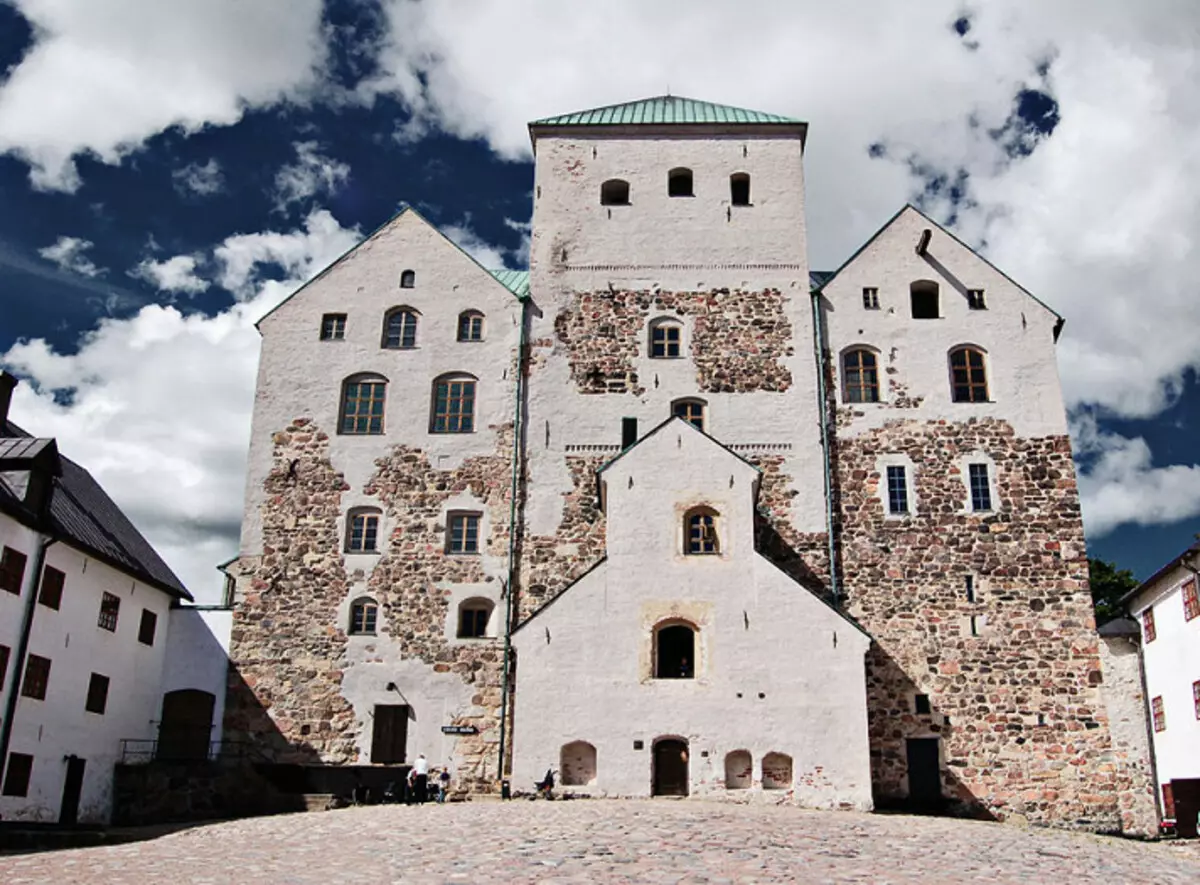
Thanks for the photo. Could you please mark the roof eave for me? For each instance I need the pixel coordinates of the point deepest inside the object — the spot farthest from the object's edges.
(614, 130)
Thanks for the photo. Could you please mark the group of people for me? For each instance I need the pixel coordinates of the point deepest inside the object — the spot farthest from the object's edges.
(418, 781)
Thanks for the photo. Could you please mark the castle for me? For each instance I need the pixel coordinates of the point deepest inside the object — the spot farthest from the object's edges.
(670, 512)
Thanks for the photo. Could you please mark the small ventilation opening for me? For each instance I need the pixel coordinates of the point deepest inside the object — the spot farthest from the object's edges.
(679, 183)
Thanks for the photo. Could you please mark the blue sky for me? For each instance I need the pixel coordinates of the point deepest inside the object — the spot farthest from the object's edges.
(168, 171)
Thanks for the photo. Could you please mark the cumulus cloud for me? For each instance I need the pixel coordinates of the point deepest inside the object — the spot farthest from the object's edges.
(490, 256)
(67, 253)
(201, 181)
(313, 174)
(162, 401)
(177, 275)
(100, 78)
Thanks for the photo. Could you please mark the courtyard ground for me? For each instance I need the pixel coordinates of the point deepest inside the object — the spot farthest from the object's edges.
(607, 841)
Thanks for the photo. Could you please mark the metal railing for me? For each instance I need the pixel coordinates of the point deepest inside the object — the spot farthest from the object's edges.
(142, 751)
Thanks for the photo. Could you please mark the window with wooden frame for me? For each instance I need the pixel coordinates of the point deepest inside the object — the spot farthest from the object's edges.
(1168, 795)
(968, 375)
(17, 774)
(110, 610)
(364, 613)
(473, 618)
(897, 490)
(1191, 603)
(981, 487)
(1160, 716)
(1195, 696)
(462, 533)
(51, 592)
(860, 376)
(679, 183)
(453, 405)
(690, 410)
(363, 400)
(700, 525)
(12, 570)
(362, 531)
(147, 627)
(1148, 632)
(470, 326)
(870, 298)
(399, 329)
(333, 327)
(666, 339)
(37, 677)
(97, 694)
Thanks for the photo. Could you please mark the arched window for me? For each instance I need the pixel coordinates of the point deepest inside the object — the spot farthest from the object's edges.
(363, 398)
(860, 376)
(666, 339)
(700, 526)
(614, 192)
(923, 295)
(470, 326)
(739, 770)
(577, 762)
(474, 619)
(362, 530)
(400, 328)
(690, 410)
(364, 612)
(675, 650)
(777, 771)
(739, 189)
(408, 279)
(679, 182)
(453, 404)
(968, 375)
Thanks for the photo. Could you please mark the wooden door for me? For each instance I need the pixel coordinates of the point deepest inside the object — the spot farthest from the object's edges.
(72, 790)
(389, 738)
(670, 776)
(185, 730)
(1187, 806)
(924, 772)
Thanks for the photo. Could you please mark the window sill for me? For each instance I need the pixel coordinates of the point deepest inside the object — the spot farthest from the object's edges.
(465, 554)
(451, 432)
(411, 347)
(363, 635)
(363, 552)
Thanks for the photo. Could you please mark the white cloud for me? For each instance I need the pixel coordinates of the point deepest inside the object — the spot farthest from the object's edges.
(162, 401)
(313, 174)
(491, 257)
(176, 275)
(100, 78)
(67, 253)
(201, 181)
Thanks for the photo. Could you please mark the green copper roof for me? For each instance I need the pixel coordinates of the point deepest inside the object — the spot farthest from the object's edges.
(663, 109)
(515, 281)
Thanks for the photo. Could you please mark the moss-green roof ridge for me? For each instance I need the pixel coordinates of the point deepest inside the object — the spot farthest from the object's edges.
(665, 110)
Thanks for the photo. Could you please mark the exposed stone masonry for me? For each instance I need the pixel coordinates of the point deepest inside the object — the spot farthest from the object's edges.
(739, 338)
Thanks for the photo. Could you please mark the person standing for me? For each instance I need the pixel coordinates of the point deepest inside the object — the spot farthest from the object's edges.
(421, 778)
(443, 785)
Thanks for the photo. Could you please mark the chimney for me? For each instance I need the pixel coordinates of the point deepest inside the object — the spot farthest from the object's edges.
(7, 383)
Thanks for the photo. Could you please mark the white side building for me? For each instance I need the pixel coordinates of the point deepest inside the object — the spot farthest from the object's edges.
(1167, 606)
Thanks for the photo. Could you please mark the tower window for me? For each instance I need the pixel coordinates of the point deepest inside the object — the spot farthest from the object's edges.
(968, 375)
(474, 615)
(110, 610)
(870, 298)
(679, 183)
(453, 405)
(690, 410)
(981, 490)
(408, 279)
(666, 339)
(362, 535)
(614, 192)
(921, 704)
(37, 677)
(97, 694)
(701, 526)
(333, 327)
(364, 614)
(975, 299)
(362, 405)
(924, 297)
(739, 189)
(675, 651)
(400, 328)
(462, 533)
(897, 490)
(470, 326)
(860, 374)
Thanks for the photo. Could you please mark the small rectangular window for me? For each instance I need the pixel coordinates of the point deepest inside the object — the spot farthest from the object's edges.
(1191, 603)
(1168, 795)
(37, 678)
(473, 622)
(970, 582)
(5, 651)
(110, 610)
(463, 535)
(665, 341)
(981, 490)
(147, 627)
(52, 588)
(12, 570)
(97, 696)
(1160, 717)
(897, 490)
(333, 327)
(17, 774)
(975, 299)
(870, 298)
(921, 704)
(1148, 631)
(1195, 696)
(364, 533)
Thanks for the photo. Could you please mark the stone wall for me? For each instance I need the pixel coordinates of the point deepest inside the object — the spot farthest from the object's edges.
(738, 339)
(1013, 677)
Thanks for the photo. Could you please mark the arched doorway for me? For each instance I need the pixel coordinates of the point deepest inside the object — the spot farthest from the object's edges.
(670, 775)
(675, 651)
(186, 726)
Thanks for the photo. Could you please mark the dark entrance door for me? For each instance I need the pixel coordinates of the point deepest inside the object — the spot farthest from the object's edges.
(72, 790)
(1187, 806)
(186, 726)
(670, 768)
(389, 738)
(924, 776)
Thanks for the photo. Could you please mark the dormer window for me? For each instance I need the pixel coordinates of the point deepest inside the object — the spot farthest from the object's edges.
(614, 192)
(679, 183)
(700, 524)
(666, 339)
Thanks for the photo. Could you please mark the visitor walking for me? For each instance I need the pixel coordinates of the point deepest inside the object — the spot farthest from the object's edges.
(443, 785)
(421, 778)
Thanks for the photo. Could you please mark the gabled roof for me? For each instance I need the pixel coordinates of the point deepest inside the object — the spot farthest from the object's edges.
(666, 110)
(84, 516)
(1191, 553)
(830, 277)
(691, 427)
(508, 284)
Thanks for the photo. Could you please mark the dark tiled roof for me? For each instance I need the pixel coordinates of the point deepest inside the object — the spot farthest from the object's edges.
(85, 516)
(1120, 627)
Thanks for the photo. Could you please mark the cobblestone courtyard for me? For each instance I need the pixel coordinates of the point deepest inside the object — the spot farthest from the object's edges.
(607, 841)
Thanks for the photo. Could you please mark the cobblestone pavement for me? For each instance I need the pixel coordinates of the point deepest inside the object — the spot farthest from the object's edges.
(607, 841)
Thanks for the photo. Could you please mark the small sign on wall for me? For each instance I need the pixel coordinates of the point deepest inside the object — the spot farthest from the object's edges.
(459, 729)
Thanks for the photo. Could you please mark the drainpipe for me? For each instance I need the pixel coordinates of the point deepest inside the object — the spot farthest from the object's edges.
(819, 347)
(510, 590)
(34, 585)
